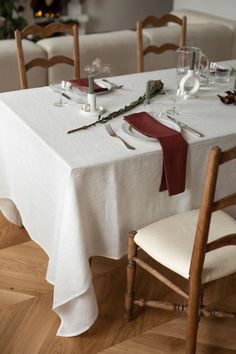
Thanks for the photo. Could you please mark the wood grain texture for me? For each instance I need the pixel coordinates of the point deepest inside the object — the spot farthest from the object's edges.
(151, 342)
(11, 234)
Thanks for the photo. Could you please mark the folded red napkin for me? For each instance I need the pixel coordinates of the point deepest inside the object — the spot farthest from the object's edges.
(174, 150)
(82, 85)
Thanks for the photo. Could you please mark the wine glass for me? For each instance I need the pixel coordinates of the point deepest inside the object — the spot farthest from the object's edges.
(175, 97)
(60, 87)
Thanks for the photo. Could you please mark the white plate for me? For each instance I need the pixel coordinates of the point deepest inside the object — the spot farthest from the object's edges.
(133, 132)
(104, 85)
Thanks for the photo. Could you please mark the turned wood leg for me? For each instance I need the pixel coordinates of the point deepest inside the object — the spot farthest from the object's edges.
(193, 318)
(131, 270)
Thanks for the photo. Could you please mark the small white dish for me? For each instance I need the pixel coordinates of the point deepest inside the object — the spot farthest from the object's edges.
(136, 134)
(99, 110)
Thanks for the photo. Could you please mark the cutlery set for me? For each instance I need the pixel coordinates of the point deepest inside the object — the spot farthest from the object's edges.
(112, 133)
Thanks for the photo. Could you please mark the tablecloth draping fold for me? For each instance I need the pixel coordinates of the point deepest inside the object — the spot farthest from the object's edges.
(82, 85)
(174, 150)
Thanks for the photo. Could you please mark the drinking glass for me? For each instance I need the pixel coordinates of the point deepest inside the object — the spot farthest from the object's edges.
(153, 106)
(159, 106)
(222, 74)
(76, 95)
(60, 87)
(184, 61)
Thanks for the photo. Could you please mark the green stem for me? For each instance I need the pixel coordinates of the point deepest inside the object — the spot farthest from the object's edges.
(156, 87)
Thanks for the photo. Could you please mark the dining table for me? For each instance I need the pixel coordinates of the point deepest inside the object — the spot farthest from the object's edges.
(78, 195)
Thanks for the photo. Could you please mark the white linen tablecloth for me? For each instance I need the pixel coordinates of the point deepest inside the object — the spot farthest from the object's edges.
(78, 195)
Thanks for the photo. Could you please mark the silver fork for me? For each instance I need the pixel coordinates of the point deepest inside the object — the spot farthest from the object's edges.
(113, 84)
(112, 133)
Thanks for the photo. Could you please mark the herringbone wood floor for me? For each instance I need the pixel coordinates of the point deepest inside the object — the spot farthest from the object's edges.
(28, 325)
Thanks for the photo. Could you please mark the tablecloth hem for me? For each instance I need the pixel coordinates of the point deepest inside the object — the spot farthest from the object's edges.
(10, 210)
(77, 333)
(82, 290)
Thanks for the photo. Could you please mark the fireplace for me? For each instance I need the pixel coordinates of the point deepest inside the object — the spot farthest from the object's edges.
(47, 8)
(44, 12)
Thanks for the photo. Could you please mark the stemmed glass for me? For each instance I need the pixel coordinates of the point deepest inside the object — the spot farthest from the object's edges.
(175, 99)
(60, 87)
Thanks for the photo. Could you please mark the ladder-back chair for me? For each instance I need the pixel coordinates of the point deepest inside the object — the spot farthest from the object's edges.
(44, 32)
(199, 245)
(158, 22)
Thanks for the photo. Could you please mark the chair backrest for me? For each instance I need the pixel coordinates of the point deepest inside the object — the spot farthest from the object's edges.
(208, 206)
(44, 32)
(158, 22)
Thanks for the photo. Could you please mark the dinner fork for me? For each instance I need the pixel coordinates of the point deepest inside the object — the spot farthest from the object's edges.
(112, 133)
(113, 84)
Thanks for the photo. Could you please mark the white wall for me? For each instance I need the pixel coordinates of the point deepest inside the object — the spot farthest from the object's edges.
(111, 15)
(223, 8)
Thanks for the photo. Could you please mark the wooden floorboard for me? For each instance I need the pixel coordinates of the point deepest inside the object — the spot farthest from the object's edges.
(28, 325)
(217, 332)
(9, 297)
(151, 342)
(10, 234)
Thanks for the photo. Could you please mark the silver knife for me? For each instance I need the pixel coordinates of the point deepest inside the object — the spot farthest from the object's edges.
(185, 126)
(66, 96)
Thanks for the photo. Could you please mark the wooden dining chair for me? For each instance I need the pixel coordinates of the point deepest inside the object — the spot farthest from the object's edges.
(158, 22)
(44, 32)
(199, 245)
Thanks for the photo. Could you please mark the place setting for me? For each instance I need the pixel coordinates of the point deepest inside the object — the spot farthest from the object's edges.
(83, 91)
(163, 109)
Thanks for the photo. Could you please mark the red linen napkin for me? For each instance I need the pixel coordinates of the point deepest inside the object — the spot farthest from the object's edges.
(82, 85)
(174, 150)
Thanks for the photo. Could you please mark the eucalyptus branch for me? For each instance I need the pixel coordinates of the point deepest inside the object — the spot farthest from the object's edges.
(156, 87)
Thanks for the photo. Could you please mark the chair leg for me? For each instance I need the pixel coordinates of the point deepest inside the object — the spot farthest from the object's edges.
(131, 271)
(192, 320)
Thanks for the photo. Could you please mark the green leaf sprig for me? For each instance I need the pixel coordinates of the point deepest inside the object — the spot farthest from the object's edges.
(156, 87)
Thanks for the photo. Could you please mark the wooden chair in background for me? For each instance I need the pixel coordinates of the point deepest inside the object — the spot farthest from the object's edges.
(158, 22)
(44, 32)
(193, 245)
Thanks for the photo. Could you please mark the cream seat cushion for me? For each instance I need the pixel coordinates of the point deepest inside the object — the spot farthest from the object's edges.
(170, 242)
(203, 36)
(116, 48)
(198, 17)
